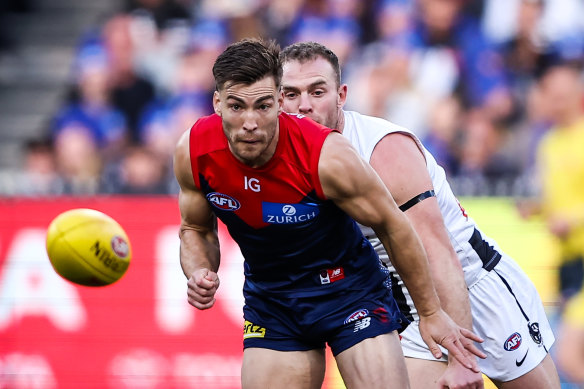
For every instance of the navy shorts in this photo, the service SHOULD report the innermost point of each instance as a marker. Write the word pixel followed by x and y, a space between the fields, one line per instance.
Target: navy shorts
pixel 340 320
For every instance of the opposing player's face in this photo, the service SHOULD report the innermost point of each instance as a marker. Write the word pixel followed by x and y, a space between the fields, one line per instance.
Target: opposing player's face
pixel 310 88
pixel 250 119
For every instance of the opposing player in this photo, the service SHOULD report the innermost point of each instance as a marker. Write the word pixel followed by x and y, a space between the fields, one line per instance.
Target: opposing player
pixel 287 188
pixel 505 306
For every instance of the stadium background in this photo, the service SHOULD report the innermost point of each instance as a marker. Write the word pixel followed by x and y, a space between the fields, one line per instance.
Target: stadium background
pixel 140 332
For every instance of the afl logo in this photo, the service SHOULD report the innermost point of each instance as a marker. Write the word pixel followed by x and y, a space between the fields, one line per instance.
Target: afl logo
pixel 120 246
pixel 360 314
pixel 223 202
pixel 513 342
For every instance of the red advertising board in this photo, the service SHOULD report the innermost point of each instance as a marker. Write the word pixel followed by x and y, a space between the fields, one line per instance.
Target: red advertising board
pixel 139 332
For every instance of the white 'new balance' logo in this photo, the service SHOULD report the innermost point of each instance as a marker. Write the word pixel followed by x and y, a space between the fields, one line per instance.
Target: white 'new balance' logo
pixel 362 324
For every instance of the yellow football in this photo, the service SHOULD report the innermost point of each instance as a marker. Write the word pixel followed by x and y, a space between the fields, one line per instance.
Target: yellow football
pixel 88 247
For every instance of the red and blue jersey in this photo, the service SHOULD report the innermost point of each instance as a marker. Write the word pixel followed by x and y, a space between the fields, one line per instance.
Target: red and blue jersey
pixel 295 242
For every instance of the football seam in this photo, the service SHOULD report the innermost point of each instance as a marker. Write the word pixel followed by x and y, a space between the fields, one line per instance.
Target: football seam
pixel 61 233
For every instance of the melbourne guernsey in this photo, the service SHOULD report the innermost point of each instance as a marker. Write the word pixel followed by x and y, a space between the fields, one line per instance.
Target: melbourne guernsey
pixel 295 242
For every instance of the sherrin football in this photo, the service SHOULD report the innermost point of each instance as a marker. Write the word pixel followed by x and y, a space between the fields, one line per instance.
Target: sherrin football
pixel 88 247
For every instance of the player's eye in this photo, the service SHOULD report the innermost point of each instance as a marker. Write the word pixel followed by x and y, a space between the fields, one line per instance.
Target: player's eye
pixel 290 95
pixel 264 107
pixel 318 93
pixel 235 107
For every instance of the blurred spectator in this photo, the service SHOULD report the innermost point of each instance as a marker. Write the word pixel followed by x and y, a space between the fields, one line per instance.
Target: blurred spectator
pixel 40 177
pixel 78 160
pixel 570 345
pixel 452 55
pixel 333 23
pixel 140 171
pixel 560 163
pixel 482 157
pixel 279 16
pixel 92 111
pixel 443 137
pixel 166 122
pixel 131 93
pixel 166 14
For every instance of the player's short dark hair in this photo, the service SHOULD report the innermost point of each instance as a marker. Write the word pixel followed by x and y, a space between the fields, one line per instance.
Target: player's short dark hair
pixel 309 51
pixel 246 62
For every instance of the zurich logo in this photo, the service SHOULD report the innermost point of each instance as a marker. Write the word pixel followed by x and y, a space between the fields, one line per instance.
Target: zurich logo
pixel 288 210
pixel 513 342
pixel 223 201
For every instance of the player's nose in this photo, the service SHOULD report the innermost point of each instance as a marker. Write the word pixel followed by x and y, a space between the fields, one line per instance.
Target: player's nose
pixel 250 122
pixel 305 106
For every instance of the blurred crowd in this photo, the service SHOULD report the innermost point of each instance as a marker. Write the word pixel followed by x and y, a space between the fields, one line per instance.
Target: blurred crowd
pixel 470 78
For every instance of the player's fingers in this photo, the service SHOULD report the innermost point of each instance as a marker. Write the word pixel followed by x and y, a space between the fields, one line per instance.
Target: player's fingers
pixel 472 348
pixel 433 346
pixel 456 349
pixel 202 296
pixel 199 293
pixel 200 283
pixel 471 335
pixel 201 305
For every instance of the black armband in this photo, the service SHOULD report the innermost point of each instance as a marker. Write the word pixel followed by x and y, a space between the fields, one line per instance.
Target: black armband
pixel 419 198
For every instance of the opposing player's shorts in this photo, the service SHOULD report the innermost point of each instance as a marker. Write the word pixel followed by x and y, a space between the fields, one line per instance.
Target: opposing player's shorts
pixel 508 314
pixel 300 324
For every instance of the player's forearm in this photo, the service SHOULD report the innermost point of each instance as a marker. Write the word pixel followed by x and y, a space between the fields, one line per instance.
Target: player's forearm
pixel 198 250
pixel 451 288
pixel 409 258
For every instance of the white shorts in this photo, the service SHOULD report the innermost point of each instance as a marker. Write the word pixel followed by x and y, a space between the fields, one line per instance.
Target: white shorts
pixel 508 314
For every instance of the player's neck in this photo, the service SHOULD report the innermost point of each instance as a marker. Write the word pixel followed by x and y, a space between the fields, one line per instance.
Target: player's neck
pixel 341 121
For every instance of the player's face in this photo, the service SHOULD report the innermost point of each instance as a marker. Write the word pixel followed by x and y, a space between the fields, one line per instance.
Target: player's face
pixel 250 119
pixel 310 88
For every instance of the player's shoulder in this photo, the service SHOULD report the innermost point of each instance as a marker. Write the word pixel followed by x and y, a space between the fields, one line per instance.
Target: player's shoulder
pixel 207 135
pixel 206 125
pixel 301 129
pixel 359 123
pixel 298 120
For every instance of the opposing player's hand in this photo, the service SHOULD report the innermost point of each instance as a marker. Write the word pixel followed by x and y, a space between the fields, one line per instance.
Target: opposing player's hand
pixel 438 328
pixel 202 287
pixel 456 376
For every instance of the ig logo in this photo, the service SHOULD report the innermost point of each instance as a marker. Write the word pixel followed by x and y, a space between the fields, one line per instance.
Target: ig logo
pixel 251 183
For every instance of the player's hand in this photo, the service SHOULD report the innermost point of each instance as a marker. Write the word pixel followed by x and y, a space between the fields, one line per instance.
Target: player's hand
pixel 438 328
pixel 202 287
pixel 456 376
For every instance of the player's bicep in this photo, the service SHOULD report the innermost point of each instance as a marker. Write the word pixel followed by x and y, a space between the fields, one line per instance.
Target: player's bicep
pixel 194 209
pixel 352 184
pixel 401 165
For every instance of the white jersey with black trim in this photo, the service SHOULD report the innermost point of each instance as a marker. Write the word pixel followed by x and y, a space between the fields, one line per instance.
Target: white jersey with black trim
pixel 364 132
pixel 505 305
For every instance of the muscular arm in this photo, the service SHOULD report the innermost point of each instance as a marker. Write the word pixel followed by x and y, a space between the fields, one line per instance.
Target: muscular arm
pixel 355 188
pixel 199 244
pixel 402 168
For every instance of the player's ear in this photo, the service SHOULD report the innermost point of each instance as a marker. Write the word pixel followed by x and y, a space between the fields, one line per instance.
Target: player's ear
pixel 217 103
pixel 280 101
pixel 342 96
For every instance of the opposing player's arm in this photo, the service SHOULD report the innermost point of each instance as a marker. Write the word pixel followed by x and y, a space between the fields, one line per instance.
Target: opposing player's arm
pixel 400 164
pixel 355 187
pixel 199 248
